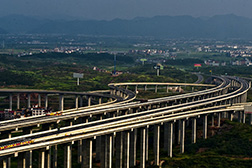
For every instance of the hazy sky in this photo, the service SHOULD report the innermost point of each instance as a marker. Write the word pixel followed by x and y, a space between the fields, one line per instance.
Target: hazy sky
pixel 110 9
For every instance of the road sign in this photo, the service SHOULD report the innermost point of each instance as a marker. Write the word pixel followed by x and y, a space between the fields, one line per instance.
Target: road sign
pixel 143 59
pixel 78 75
pixel 197 65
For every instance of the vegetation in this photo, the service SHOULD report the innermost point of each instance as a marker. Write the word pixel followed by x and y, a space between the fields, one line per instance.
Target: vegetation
pixel 230 147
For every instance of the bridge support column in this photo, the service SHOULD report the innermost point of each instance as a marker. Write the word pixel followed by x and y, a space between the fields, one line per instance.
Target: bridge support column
pixel 212 121
pixel 29 100
pixel 182 137
pixel 133 146
pixel 87 153
pixel 136 89
pixel 143 148
pixel 179 131
pixel 80 151
pixel 205 127
pixel 219 119
pixel 156 143
pixel 100 100
pixel 106 151
pixel 250 119
pixel 168 139
pixel 68 155
pixel 98 148
pixel 61 102
pixel 4 163
pixel 239 117
pixel 156 88
pixel 29 159
pixel 147 143
pixel 167 89
pixel 243 117
pixel 48 157
pixel 89 100
pixel 22 160
pixel 194 130
pixel 127 150
pixel 10 99
pixel 81 101
pixel 76 101
pixel 230 116
pixel 42 158
pixel 119 150
pixel 55 156
pixel 46 101
pixel 18 101
pixel 39 100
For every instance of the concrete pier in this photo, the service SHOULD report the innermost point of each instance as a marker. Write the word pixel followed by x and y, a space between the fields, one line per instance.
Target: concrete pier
pixel 147 144
pixel 80 149
pixel 179 131
pixel 106 151
pixel 22 160
pixel 230 116
pixel 61 102
pixel 133 147
pixel 39 100
pixel 87 157
pixel 156 146
pixel 76 101
pixel 18 101
pixel 212 122
pixel 46 101
pixel 29 101
pixel 243 117
pixel 48 157
pixel 55 157
pixel 182 137
pixel 205 127
pixel 10 99
pixel 68 155
pixel 168 140
pixel 100 100
pixel 194 130
pixel 219 119
pixel 143 148
pixel 119 149
pixel 4 163
pixel 127 150
pixel 89 100
pixel 42 158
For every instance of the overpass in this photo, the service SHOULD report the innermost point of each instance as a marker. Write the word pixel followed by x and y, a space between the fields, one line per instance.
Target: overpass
pixel 115 127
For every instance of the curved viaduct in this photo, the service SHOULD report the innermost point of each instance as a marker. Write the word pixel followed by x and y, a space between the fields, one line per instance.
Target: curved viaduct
pixel 111 131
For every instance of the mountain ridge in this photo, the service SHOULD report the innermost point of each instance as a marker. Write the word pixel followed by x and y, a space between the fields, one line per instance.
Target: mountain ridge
pixel 219 26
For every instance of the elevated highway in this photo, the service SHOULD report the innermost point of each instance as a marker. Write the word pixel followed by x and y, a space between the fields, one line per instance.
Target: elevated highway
pixel 117 128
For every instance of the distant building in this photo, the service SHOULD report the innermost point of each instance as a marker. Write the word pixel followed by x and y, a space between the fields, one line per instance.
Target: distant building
pixel 7 114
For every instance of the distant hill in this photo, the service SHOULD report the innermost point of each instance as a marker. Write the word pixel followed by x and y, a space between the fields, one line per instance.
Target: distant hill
pixel 2 31
pixel 20 24
pixel 221 26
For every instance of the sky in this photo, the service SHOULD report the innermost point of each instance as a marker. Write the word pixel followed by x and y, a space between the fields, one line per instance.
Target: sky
pixel 124 9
